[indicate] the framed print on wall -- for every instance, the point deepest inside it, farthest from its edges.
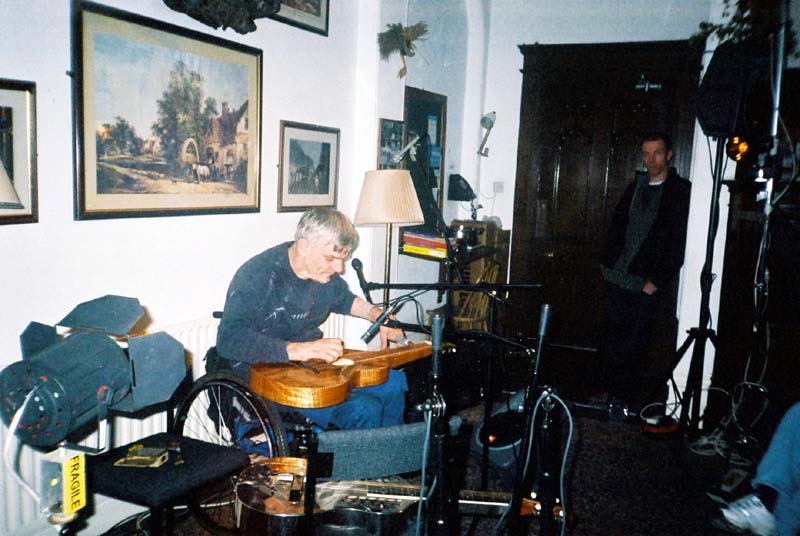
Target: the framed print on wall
(168, 120)
(308, 172)
(18, 196)
(390, 144)
(311, 15)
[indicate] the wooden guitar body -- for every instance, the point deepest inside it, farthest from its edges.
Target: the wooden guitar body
(317, 384)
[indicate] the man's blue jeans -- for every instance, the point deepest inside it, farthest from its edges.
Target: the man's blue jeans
(780, 470)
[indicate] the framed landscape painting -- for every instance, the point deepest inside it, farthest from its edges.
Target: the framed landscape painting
(168, 120)
(308, 172)
(18, 195)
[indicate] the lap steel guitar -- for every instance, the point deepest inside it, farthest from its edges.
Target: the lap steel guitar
(317, 384)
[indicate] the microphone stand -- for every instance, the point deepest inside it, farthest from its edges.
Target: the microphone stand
(548, 440)
(441, 517)
(490, 289)
(422, 161)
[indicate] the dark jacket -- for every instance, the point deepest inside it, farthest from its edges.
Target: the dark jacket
(661, 255)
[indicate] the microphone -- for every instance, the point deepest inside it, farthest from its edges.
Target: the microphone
(357, 266)
(437, 326)
(398, 157)
(544, 317)
(376, 326)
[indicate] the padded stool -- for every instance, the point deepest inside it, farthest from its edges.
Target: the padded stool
(196, 464)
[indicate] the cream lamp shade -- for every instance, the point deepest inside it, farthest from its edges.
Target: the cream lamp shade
(8, 195)
(388, 196)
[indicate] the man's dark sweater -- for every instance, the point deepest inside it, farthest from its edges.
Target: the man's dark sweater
(660, 255)
(267, 306)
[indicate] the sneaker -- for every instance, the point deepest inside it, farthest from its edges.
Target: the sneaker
(749, 513)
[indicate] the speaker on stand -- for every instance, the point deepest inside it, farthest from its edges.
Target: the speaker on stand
(734, 68)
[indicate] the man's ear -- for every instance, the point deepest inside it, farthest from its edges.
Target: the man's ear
(302, 246)
(669, 155)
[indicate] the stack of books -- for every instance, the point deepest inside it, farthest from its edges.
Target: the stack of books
(424, 244)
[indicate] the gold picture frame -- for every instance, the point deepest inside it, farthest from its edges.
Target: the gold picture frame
(168, 120)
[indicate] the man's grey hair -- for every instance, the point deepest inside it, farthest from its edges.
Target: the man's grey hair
(328, 226)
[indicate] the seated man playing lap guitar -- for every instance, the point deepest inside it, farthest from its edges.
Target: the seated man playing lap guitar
(278, 299)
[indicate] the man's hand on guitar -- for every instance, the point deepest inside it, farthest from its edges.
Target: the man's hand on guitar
(388, 334)
(328, 350)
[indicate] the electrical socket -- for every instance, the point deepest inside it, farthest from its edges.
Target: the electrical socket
(498, 187)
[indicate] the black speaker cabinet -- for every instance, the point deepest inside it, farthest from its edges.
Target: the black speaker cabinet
(730, 74)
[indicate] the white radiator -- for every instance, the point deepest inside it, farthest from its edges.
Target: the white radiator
(17, 508)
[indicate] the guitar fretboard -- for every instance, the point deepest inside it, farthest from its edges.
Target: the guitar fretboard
(470, 502)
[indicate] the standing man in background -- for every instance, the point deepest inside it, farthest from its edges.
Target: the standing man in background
(642, 256)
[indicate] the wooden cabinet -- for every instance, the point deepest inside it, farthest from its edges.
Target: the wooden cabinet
(487, 235)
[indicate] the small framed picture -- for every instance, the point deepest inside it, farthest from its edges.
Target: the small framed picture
(308, 173)
(18, 199)
(168, 120)
(311, 15)
(390, 144)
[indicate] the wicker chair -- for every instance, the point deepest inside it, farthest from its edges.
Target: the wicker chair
(473, 312)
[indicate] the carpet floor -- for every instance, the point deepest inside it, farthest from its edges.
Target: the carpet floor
(619, 482)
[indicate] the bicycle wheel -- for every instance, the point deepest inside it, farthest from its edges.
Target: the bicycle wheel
(221, 409)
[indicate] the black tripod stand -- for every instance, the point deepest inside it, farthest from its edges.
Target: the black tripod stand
(702, 333)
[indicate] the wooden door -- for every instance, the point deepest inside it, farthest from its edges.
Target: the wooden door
(584, 110)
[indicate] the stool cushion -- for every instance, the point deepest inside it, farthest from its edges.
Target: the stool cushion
(198, 463)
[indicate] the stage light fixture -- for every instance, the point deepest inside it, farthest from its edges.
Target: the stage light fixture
(62, 384)
(736, 148)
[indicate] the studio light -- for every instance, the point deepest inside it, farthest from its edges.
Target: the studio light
(61, 385)
(487, 122)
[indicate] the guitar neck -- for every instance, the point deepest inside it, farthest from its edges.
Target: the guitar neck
(396, 356)
(470, 502)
